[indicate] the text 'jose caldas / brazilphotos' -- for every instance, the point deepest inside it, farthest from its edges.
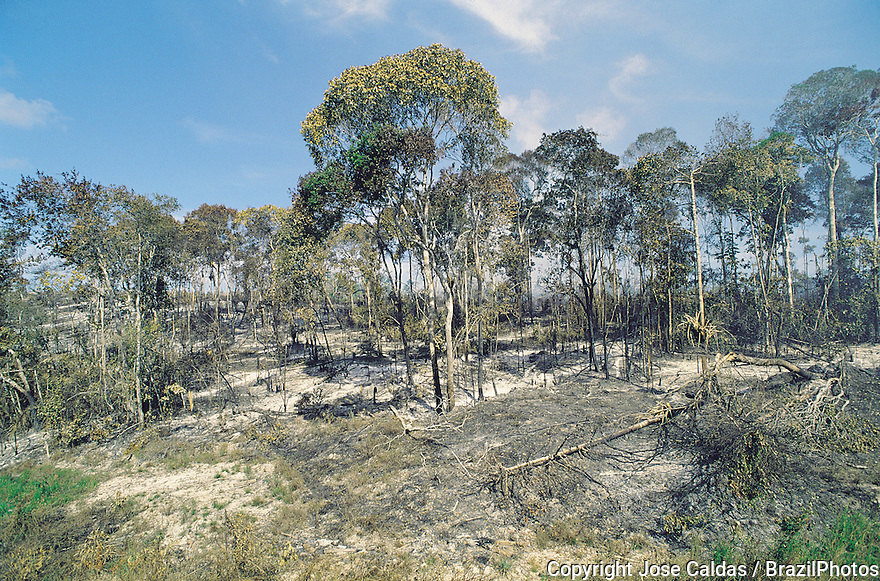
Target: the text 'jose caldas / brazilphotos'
(625, 569)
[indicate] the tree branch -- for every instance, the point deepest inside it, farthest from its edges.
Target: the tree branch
(770, 362)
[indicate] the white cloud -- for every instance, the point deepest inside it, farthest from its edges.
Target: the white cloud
(13, 163)
(208, 132)
(269, 54)
(525, 21)
(23, 113)
(344, 9)
(605, 121)
(630, 69)
(368, 8)
(527, 116)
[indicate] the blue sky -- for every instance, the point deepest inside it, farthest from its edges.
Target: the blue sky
(203, 100)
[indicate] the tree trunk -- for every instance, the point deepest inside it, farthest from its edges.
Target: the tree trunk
(702, 311)
(478, 265)
(833, 166)
(788, 270)
(431, 326)
(450, 348)
(876, 253)
(137, 360)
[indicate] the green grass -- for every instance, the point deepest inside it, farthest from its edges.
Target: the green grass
(853, 537)
(42, 486)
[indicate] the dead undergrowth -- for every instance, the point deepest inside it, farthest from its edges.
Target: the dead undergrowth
(752, 461)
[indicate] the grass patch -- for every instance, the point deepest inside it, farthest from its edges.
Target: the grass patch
(852, 538)
(40, 538)
(566, 532)
(41, 486)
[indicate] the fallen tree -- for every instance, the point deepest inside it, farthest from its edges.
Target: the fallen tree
(740, 358)
(656, 416)
(662, 414)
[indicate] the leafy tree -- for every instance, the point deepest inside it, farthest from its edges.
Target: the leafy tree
(430, 108)
(531, 228)
(122, 241)
(584, 195)
(147, 234)
(654, 143)
(20, 345)
(209, 237)
(759, 183)
(662, 249)
(825, 113)
(678, 170)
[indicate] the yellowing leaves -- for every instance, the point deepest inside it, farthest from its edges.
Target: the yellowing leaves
(427, 87)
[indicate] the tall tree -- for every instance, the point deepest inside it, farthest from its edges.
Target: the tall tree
(440, 108)
(823, 113)
(866, 146)
(527, 176)
(582, 179)
(147, 235)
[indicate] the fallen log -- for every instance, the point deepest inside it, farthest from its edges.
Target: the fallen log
(665, 413)
(734, 357)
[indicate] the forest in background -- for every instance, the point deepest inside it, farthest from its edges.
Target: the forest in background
(419, 231)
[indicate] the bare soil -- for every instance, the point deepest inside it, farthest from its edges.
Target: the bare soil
(345, 464)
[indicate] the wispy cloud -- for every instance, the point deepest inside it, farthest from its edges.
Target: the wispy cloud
(269, 54)
(343, 9)
(13, 163)
(525, 21)
(533, 24)
(528, 117)
(606, 122)
(630, 69)
(23, 113)
(206, 132)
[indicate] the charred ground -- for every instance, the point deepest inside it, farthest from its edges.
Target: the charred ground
(341, 486)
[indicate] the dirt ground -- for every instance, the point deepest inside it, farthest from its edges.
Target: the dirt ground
(345, 464)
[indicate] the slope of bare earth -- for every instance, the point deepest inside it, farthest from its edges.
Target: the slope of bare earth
(343, 472)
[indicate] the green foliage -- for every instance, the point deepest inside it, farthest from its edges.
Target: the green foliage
(753, 464)
(428, 87)
(852, 538)
(43, 486)
(791, 543)
(73, 407)
(43, 537)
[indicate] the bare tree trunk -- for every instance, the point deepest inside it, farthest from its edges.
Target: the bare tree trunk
(788, 270)
(450, 347)
(702, 312)
(876, 253)
(479, 270)
(833, 166)
(137, 360)
(431, 326)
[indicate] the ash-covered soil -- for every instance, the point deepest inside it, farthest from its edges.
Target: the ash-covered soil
(355, 469)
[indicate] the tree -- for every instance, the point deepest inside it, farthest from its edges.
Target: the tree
(434, 108)
(582, 182)
(531, 228)
(209, 235)
(824, 114)
(17, 341)
(124, 243)
(758, 182)
(659, 242)
(866, 146)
